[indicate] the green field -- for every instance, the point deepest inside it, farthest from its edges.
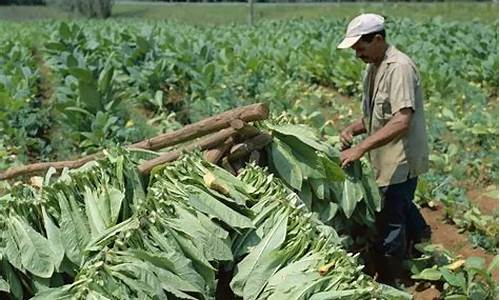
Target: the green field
(202, 14)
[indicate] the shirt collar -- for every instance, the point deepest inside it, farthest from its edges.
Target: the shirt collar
(390, 55)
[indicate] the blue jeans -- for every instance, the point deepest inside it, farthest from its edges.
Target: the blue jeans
(400, 220)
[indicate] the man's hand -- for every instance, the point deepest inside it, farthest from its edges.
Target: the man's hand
(349, 132)
(350, 155)
(346, 137)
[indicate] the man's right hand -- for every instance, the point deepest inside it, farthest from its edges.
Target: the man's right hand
(346, 137)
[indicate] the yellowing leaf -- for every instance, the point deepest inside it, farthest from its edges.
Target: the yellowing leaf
(457, 264)
(213, 184)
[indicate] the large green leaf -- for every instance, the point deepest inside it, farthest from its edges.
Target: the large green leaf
(306, 156)
(94, 212)
(305, 195)
(304, 134)
(36, 253)
(102, 208)
(164, 269)
(65, 32)
(326, 210)
(54, 237)
(4, 285)
(351, 195)
(89, 94)
(174, 284)
(475, 262)
(281, 277)
(212, 238)
(286, 164)
(432, 274)
(273, 239)
(113, 199)
(59, 293)
(332, 170)
(454, 279)
(204, 202)
(12, 250)
(298, 286)
(16, 289)
(74, 229)
(268, 265)
(138, 276)
(318, 186)
(193, 251)
(371, 191)
(182, 265)
(108, 236)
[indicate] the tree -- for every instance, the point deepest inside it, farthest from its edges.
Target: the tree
(22, 2)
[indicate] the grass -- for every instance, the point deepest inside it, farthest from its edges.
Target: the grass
(227, 13)
(27, 13)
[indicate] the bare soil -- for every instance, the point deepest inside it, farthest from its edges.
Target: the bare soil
(484, 200)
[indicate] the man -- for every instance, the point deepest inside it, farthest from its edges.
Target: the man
(396, 142)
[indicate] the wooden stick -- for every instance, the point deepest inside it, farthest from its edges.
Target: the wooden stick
(256, 143)
(247, 113)
(247, 132)
(38, 167)
(206, 143)
(236, 118)
(214, 155)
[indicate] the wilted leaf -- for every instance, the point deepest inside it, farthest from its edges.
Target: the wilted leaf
(455, 265)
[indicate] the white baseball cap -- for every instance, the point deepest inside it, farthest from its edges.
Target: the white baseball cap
(361, 25)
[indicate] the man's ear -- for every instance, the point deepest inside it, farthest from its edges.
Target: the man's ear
(378, 37)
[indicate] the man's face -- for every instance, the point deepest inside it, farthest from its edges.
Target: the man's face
(367, 51)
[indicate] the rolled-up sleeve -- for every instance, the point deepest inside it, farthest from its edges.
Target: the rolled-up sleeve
(403, 83)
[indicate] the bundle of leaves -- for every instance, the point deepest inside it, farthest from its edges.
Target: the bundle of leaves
(291, 254)
(94, 233)
(344, 198)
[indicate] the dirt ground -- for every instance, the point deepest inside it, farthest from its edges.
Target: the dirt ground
(448, 236)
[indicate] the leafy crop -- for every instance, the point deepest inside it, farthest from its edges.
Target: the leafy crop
(463, 279)
(94, 232)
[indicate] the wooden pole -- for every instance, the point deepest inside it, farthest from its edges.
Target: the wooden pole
(249, 113)
(235, 118)
(245, 148)
(215, 154)
(205, 143)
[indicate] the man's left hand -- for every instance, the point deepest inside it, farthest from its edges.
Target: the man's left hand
(350, 155)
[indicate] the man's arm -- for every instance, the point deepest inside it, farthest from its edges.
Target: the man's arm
(397, 126)
(354, 129)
